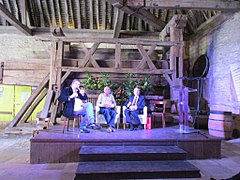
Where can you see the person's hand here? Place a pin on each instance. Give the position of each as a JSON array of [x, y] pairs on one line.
[[129, 104], [105, 105], [132, 108], [74, 94]]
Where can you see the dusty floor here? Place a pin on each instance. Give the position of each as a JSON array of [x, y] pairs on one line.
[[15, 150]]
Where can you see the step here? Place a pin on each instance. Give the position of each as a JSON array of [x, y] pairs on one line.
[[128, 153], [136, 170]]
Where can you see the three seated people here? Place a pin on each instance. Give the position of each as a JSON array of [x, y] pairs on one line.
[[75, 103]]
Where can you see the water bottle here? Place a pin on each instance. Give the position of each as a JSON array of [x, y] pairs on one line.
[[37, 125]]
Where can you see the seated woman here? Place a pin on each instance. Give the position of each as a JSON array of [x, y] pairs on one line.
[[135, 105]]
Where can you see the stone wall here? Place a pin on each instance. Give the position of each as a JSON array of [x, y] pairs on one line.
[[222, 46], [26, 59]]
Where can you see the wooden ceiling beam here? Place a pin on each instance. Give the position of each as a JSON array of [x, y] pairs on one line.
[[12, 20], [140, 13], [218, 5], [212, 23], [118, 23], [117, 70]]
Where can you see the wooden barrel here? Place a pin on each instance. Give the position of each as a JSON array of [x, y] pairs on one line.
[[220, 124]]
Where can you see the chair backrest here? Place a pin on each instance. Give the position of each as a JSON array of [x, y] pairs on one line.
[[93, 98], [157, 104]]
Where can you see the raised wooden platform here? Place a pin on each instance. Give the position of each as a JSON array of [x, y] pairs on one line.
[[52, 146]]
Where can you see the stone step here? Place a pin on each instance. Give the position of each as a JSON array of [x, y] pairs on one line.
[[136, 170], [128, 153]]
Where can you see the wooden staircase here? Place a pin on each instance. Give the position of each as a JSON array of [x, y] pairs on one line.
[[134, 162]]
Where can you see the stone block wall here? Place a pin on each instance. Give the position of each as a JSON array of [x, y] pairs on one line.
[[221, 87], [26, 59]]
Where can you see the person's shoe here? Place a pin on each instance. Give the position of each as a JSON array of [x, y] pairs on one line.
[[131, 128], [109, 129], [113, 129], [84, 131], [94, 126], [140, 127]]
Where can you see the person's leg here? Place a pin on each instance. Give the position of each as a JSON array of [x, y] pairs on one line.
[[113, 114], [106, 114], [90, 111], [137, 119], [84, 120], [127, 113], [90, 114]]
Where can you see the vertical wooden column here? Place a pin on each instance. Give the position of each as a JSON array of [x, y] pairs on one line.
[[51, 102], [117, 55], [176, 26]]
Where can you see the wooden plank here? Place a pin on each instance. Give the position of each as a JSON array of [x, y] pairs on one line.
[[125, 41], [91, 13], [139, 13], [118, 70], [70, 9], [137, 170], [211, 24], [146, 57], [23, 10], [66, 13], [88, 55], [47, 104], [219, 5], [79, 26], [118, 55], [41, 13], [34, 105], [12, 20], [97, 13], [104, 12], [56, 64], [52, 14], [27, 104], [59, 13], [118, 23], [45, 6], [4, 22]]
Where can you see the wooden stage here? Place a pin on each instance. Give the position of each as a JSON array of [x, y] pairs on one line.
[[52, 146]]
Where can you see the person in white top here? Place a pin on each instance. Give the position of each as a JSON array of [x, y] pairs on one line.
[[107, 104]]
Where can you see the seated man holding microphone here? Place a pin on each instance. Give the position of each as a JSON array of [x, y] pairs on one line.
[[75, 103]]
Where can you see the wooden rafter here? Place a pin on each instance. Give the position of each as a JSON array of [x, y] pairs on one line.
[[139, 13], [219, 5], [118, 23], [12, 20], [212, 23]]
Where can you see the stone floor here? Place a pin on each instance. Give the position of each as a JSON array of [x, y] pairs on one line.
[[15, 158]]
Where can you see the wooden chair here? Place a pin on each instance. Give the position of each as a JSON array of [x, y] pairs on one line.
[[142, 117], [101, 120], [66, 122], [159, 110]]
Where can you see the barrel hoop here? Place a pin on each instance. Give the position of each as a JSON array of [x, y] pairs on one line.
[[221, 112], [218, 130], [220, 120]]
